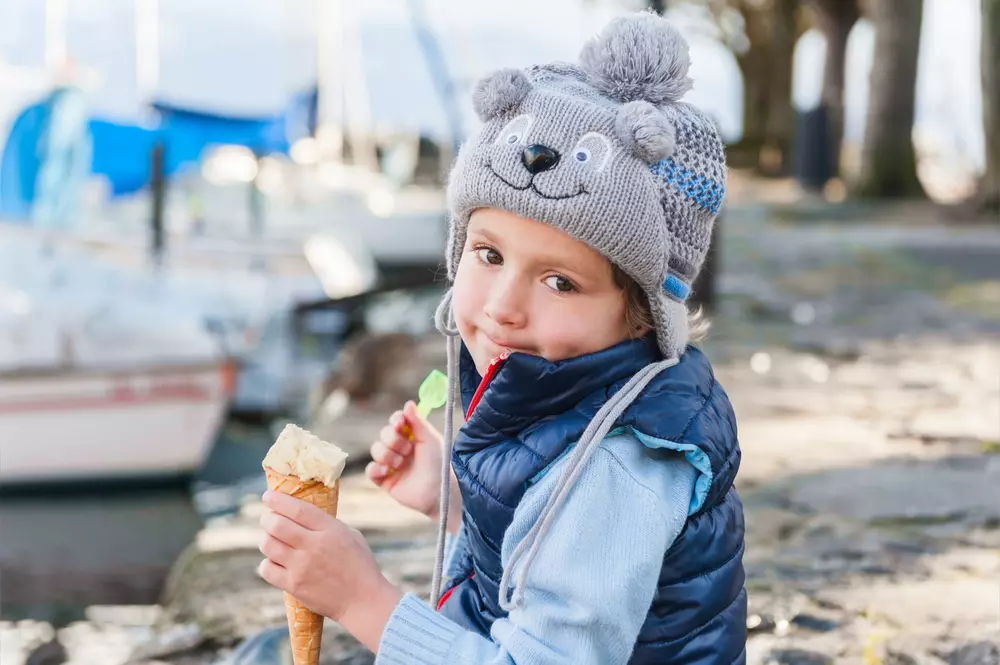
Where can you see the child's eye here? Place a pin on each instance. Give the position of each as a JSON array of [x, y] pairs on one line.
[[559, 283], [489, 256]]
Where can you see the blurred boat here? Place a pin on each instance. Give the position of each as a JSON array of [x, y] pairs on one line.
[[103, 374], [86, 424]]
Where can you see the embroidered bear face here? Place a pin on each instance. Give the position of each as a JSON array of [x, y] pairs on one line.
[[554, 146], [543, 136]]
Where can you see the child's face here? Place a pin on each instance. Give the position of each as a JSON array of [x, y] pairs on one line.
[[526, 286]]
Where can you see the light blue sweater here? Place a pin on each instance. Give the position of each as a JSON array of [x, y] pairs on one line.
[[590, 588]]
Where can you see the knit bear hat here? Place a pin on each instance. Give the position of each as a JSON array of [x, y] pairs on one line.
[[605, 151]]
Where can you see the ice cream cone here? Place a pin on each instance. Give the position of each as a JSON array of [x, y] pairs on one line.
[[305, 627]]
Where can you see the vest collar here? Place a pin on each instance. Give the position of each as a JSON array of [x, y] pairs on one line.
[[531, 387]]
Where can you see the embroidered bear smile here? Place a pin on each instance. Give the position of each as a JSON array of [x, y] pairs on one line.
[[531, 186]]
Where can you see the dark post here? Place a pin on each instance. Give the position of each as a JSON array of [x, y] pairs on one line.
[[703, 290], [256, 202], [158, 186]]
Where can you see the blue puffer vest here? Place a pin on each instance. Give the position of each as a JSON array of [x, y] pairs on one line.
[[531, 411]]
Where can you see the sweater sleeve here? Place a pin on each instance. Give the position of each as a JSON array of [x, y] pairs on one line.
[[590, 588]]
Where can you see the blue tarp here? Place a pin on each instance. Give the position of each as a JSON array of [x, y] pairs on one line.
[[20, 163], [121, 152]]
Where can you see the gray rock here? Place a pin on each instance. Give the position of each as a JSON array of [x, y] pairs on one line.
[[270, 647], [796, 657], [814, 623], [50, 653], [900, 658], [925, 492], [979, 653]]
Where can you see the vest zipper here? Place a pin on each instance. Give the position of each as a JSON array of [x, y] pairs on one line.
[[490, 372], [478, 395]]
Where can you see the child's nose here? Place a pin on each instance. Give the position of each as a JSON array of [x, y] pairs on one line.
[[537, 158], [505, 304]]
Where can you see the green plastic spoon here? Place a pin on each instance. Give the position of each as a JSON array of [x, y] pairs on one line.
[[433, 393]]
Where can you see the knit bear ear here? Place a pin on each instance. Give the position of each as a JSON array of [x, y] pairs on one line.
[[499, 93], [638, 57], [645, 131]]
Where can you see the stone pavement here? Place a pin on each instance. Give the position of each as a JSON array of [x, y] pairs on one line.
[[864, 364]]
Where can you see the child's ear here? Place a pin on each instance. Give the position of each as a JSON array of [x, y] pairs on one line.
[[499, 93], [645, 131]]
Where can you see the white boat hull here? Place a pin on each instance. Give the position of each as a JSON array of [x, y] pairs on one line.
[[83, 425]]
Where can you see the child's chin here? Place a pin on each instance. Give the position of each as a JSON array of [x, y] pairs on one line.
[[482, 360]]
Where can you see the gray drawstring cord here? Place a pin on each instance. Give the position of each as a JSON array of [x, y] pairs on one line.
[[444, 320], [598, 428]]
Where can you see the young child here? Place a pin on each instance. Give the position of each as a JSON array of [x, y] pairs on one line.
[[589, 494]]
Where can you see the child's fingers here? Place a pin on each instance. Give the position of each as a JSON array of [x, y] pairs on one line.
[[392, 440], [377, 473], [400, 446], [418, 424], [388, 434], [382, 455]]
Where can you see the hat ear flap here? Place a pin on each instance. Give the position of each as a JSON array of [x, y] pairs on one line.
[[499, 93], [645, 131]]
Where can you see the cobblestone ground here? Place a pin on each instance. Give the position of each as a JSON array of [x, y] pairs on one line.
[[864, 363]]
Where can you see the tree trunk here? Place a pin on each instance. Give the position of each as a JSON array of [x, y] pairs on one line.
[[768, 115], [780, 128], [835, 18], [888, 159], [990, 187], [754, 66]]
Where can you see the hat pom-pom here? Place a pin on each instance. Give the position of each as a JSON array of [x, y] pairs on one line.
[[638, 57]]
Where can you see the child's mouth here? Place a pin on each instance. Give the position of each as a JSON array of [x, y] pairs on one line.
[[500, 346]]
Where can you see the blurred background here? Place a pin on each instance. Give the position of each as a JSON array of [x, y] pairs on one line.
[[220, 217]]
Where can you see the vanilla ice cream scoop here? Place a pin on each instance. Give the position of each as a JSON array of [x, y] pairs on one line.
[[306, 456]]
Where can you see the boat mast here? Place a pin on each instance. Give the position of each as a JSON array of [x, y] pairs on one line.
[[147, 50], [56, 38], [329, 80]]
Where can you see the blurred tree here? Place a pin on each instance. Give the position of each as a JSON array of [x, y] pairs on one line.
[[762, 34], [772, 28], [888, 159], [835, 18], [990, 58]]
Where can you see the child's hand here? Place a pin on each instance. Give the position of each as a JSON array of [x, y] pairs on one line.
[[326, 565], [408, 469]]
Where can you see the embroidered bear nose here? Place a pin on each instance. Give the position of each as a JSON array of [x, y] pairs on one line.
[[537, 158]]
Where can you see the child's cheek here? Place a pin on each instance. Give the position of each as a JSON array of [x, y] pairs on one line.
[[467, 297], [557, 332]]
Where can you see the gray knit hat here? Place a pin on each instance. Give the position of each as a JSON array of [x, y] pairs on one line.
[[606, 152]]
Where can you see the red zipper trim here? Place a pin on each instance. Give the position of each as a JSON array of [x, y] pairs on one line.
[[490, 371], [447, 594]]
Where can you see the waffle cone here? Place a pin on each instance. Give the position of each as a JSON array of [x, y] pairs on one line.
[[305, 627]]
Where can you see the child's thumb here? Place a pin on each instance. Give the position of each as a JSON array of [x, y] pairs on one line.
[[417, 422]]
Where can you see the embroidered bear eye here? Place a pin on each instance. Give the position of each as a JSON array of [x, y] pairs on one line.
[[594, 150], [515, 131]]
